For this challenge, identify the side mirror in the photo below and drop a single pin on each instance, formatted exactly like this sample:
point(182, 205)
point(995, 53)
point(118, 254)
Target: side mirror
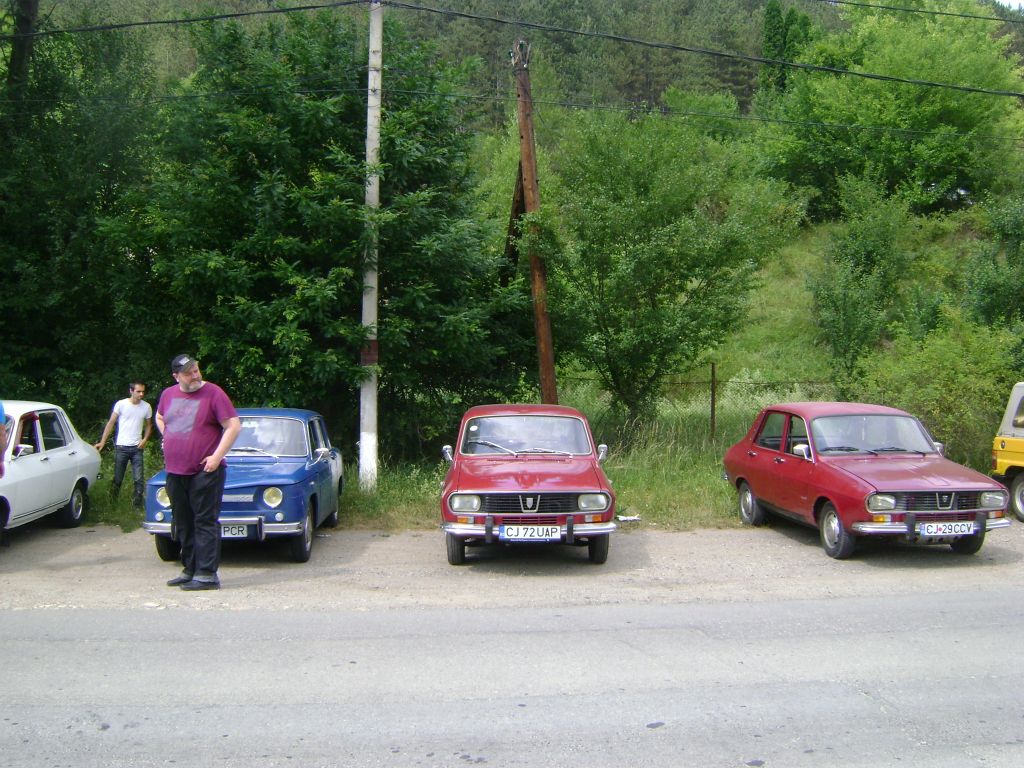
point(446, 451)
point(22, 449)
point(941, 448)
point(321, 454)
point(803, 450)
point(602, 452)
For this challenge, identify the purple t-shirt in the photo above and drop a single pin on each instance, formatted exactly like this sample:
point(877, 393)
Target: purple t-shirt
point(192, 427)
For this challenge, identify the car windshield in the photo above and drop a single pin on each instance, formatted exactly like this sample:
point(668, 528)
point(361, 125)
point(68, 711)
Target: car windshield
point(513, 435)
point(270, 436)
point(870, 433)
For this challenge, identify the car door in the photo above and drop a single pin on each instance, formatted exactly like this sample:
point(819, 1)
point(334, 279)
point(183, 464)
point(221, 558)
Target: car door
point(59, 456)
point(762, 458)
point(26, 474)
point(326, 466)
point(794, 473)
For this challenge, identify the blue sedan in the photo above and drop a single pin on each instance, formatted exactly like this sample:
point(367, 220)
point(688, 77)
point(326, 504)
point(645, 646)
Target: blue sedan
point(284, 479)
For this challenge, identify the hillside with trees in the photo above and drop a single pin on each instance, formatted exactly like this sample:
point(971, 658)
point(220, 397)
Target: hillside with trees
point(198, 185)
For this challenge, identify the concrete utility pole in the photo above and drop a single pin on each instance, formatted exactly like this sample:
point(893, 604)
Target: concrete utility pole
point(370, 354)
point(531, 203)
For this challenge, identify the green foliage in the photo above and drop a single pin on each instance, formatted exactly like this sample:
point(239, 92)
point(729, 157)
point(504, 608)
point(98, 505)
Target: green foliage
point(956, 381)
point(936, 148)
point(251, 233)
point(995, 272)
point(662, 228)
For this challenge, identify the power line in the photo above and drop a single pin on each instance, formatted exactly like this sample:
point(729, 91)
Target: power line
point(923, 11)
point(705, 51)
point(173, 22)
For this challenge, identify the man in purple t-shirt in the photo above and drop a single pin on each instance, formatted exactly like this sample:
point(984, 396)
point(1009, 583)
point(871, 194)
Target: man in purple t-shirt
point(199, 424)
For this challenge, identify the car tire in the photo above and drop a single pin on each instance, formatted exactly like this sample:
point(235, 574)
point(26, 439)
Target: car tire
point(301, 547)
point(1017, 496)
point(835, 539)
point(70, 515)
point(751, 511)
point(597, 548)
point(167, 549)
point(332, 519)
point(968, 545)
point(456, 549)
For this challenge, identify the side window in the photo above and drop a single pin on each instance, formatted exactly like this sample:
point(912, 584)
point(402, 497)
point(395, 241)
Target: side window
point(52, 428)
point(1018, 417)
point(770, 435)
point(797, 434)
point(316, 439)
point(27, 433)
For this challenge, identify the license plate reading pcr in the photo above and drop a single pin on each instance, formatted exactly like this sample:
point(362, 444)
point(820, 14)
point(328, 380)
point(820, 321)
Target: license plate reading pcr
point(530, 532)
point(233, 531)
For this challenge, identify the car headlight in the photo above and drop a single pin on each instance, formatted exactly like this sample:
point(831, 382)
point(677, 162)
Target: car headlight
point(464, 502)
point(881, 502)
point(162, 498)
point(272, 496)
point(993, 499)
point(593, 502)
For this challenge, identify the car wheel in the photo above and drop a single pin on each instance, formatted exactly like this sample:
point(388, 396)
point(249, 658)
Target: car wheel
point(835, 539)
point(167, 548)
point(597, 548)
point(751, 511)
point(70, 515)
point(1017, 496)
point(301, 546)
point(456, 549)
point(332, 519)
point(968, 545)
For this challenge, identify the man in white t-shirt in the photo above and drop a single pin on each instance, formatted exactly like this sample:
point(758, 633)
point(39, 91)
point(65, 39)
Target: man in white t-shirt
point(134, 419)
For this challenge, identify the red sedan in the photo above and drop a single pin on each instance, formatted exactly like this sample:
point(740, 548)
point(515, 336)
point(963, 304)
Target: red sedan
point(526, 474)
point(852, 469)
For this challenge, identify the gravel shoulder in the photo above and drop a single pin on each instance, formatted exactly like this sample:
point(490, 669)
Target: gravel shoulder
point(100, 567)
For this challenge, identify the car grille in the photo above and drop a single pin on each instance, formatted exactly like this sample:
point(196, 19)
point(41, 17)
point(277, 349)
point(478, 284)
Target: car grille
point(943, 501)
point(530, 504)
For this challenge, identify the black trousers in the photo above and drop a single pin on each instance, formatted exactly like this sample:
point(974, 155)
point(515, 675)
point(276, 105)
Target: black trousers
point(195, 501)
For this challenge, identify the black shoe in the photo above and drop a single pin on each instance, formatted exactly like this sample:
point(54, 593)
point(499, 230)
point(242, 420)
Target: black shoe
point(177, 581)
point(193, 585)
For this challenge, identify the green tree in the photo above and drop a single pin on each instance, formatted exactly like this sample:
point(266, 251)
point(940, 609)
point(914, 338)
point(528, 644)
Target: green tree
point(250, 234)
point(663, 227)
point(936, 148)
point(773, 76)
point(995, 272)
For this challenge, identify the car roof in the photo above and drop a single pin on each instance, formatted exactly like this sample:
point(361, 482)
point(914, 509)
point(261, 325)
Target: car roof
point(522, 409)
point(283, 413)
point(24, 406)
point(814, 409)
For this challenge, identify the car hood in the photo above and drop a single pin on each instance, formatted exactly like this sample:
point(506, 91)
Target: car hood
point(246, 473)
point(913, 473)
point(529, 474)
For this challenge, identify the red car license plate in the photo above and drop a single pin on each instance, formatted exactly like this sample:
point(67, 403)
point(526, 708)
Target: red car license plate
point(530, 533)
point(957, 528)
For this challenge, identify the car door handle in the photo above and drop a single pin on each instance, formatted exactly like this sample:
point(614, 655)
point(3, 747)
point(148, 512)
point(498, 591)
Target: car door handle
point(779, 460)
point(751, 453)
point(44, 458)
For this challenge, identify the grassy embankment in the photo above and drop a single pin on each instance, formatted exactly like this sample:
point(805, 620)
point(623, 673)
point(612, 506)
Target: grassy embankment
point(671, 474)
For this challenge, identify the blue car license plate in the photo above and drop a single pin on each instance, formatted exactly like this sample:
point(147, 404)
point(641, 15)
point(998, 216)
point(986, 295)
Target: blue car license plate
point(233, 531)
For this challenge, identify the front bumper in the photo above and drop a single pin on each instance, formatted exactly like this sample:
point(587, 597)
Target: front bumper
point(263, 528)
point(488, 530)
point(909, 526)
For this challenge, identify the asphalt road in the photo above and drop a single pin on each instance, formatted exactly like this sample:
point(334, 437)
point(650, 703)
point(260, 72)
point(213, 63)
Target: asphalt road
point(714, 648)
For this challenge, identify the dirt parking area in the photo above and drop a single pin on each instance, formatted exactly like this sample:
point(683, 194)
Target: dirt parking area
point(101, 567)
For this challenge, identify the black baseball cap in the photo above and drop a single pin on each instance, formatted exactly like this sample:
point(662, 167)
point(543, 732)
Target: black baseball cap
point(181, 362)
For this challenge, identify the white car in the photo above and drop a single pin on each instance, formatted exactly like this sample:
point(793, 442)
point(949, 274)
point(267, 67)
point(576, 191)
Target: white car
point(48, 468)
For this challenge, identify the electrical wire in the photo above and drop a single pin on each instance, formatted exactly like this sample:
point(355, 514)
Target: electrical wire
point(923, 11)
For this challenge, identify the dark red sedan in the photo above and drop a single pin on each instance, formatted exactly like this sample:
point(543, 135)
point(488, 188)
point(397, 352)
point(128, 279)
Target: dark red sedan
point(852, 469)
point(526, 474)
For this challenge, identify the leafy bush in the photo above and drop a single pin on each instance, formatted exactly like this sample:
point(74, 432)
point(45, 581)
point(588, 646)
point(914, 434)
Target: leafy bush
point(956, 381)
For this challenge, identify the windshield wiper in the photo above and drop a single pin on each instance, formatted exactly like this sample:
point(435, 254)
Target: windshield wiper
point(900, 449)
point(489, 444)
point(250, 449)
point(844, 448)
point(546, 450)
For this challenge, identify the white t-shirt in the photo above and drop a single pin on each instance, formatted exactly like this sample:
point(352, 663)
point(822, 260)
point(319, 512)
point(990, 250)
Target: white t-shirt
point(130, 421)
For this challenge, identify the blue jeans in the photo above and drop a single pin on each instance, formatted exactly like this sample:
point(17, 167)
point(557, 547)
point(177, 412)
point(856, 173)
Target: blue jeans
point(195, 501)
point(122, 455)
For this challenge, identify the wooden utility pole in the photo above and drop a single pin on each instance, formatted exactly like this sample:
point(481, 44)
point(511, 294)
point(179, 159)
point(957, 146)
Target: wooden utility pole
point(26, 12)
point(370, 354)
point(531, 204)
